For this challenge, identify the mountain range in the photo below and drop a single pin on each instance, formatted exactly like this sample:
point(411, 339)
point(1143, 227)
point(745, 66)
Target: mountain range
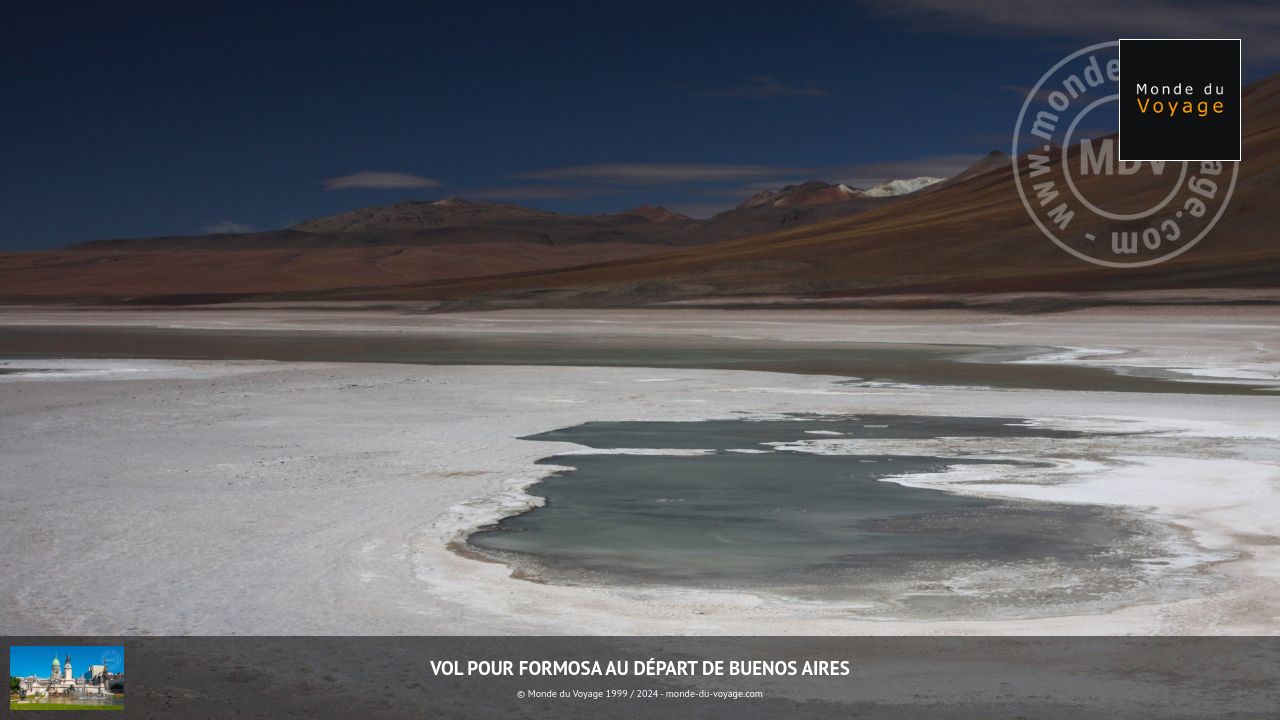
point(819, 193)
point(810, 242)
point(399, 244)
point(968, 235)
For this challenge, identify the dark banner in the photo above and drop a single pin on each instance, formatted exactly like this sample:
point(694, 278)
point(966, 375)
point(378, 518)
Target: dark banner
point(677, 677)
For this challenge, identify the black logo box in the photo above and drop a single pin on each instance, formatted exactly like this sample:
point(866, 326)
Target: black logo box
point(1180, 64)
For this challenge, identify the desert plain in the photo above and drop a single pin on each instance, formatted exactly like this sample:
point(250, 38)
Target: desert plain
point(205, 495)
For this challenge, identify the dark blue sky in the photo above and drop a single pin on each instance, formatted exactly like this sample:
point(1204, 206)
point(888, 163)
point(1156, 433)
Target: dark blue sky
point(125, 120)
point(37, 660)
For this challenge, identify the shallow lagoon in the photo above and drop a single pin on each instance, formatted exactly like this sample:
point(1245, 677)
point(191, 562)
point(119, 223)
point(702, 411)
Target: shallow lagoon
point(744, 515)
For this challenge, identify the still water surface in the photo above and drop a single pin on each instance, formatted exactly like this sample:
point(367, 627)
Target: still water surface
point(813, 526)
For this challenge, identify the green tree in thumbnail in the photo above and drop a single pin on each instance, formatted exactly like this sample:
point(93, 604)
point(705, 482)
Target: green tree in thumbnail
point(14, 683)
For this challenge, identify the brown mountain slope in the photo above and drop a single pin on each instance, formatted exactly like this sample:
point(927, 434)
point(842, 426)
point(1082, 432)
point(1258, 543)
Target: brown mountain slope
point(197, 276)
point(385, 246)
point(435, 222)
point(969, 236)
point(455, 221)
point(810, 193)
point(655, 213)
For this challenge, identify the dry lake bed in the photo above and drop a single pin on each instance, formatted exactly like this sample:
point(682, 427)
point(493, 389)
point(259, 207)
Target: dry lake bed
point(375, 471)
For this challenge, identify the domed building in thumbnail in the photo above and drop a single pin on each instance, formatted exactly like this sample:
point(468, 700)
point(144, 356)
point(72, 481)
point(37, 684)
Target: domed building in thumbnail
point(63, 681)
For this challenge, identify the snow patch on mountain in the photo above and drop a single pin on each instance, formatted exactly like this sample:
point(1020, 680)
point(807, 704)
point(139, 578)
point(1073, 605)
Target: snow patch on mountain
point(891, 188)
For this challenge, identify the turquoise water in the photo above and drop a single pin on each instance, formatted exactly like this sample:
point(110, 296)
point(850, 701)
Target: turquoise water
point(756, 433)
point(809, 525)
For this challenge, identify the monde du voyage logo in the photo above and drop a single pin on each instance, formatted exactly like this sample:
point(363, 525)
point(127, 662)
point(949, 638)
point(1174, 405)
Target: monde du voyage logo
point(1151, 191)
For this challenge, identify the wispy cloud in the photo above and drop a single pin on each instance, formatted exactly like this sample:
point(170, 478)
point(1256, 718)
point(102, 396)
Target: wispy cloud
point(538, 192)
point(658, 173)
point(226, 227)
point(380, 180)
point(767, 86)
point(865, 175)
point(1256, 21)
point(751, 176)
point(709, 189)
